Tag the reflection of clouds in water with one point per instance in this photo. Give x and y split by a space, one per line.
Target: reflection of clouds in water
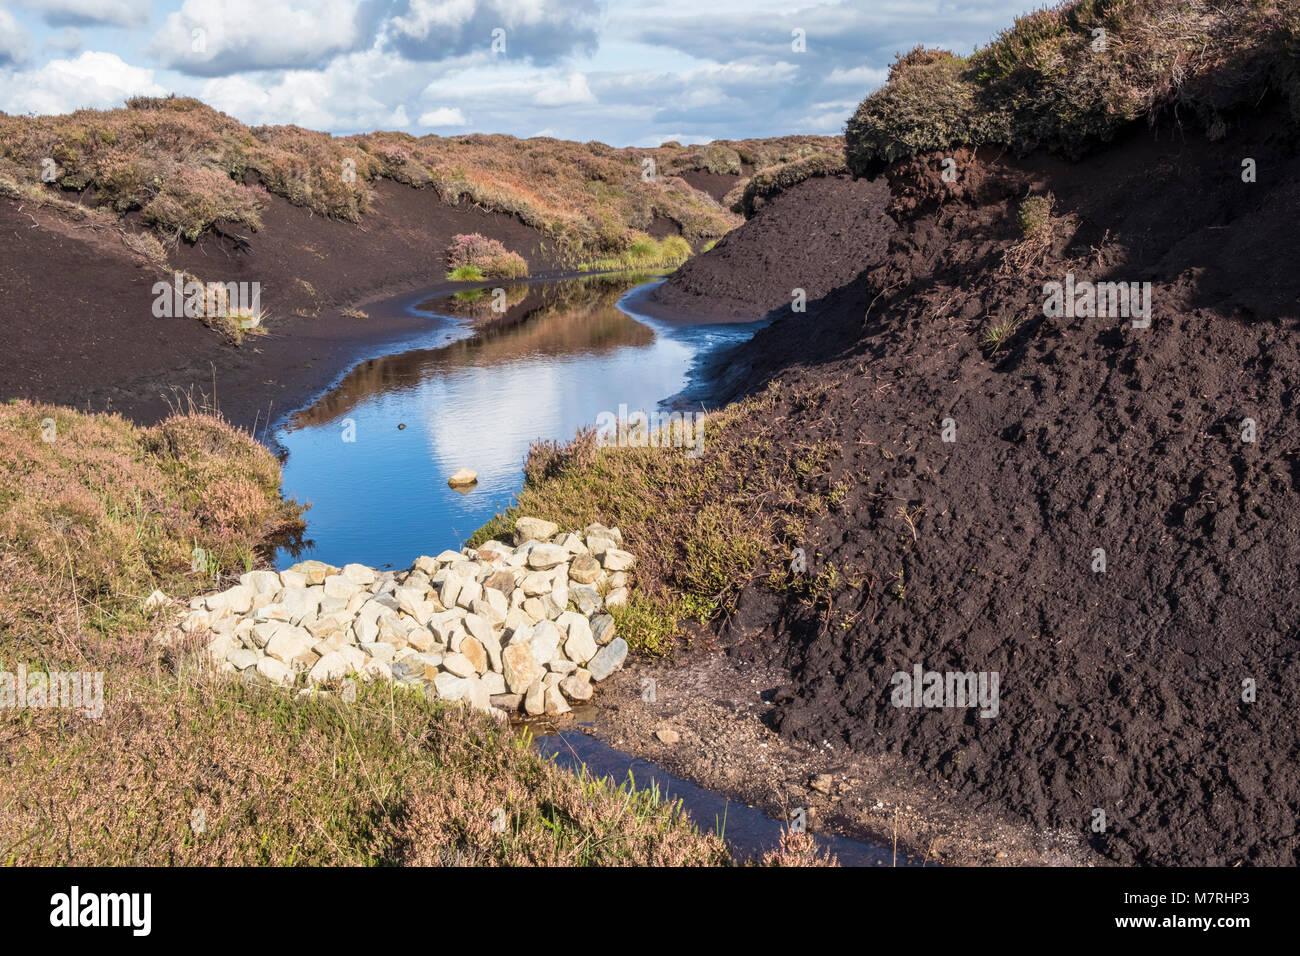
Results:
486 419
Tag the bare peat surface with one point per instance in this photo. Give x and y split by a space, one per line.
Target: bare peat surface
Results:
817 236
1160 692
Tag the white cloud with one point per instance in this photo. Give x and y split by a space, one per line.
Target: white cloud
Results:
117 13
860 77
443 116
13 40
354 93
826 124
91 81
570 91
223 37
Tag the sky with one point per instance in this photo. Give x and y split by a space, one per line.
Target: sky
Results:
625 72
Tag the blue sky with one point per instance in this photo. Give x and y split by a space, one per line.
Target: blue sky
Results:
625 73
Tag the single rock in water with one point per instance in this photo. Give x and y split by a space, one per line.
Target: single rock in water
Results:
535 699
462 478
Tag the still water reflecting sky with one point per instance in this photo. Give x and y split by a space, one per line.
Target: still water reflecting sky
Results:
568 353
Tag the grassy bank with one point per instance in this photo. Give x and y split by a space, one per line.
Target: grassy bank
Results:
645 255
184 768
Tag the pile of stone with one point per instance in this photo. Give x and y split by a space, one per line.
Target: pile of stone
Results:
499 627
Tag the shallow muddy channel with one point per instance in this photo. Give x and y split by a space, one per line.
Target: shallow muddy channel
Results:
473 389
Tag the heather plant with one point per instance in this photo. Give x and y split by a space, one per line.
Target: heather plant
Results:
1071 76
95 500
472 257
194 199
